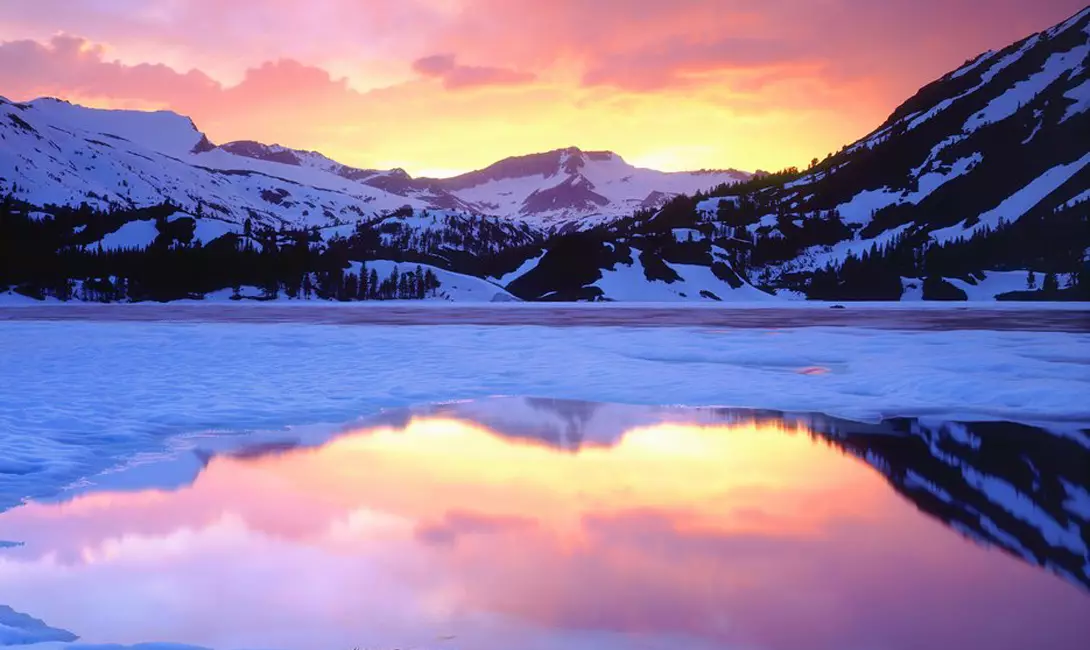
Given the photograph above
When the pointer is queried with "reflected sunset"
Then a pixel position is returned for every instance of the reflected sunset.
(394, 536)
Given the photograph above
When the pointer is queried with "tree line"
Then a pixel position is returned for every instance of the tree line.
(57, 252)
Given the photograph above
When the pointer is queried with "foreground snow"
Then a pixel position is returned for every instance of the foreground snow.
(86, 395)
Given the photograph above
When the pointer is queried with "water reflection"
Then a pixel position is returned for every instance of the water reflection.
(547, 524)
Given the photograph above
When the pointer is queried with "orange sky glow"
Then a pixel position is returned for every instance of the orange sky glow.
(439, 87)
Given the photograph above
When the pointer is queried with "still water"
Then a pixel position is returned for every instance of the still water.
(523, 523)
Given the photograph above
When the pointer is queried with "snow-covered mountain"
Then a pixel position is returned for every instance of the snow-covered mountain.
(575, 187)
(1019, 488)
(977, 181)
(53, 152)
(61, 153)
(980, 179)
(1001, 142)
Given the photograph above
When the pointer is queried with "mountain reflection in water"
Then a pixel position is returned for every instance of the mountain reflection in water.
(549, 524)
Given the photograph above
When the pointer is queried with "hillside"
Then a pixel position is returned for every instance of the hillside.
(974, 188)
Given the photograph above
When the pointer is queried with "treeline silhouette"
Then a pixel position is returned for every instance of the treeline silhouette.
(1054, 243)
(59, 254)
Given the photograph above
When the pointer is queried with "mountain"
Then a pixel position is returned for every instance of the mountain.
(1019, 488)
(994, 149)
(976, 187)
(64, 154)
(572, 186)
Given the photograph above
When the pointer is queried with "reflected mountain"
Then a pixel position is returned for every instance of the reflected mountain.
(18, 629)
(1020, 488)
(548, 524)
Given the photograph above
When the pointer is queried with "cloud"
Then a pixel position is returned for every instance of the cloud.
(746, 84)
(460, 523)
(72, 65)
(454, 76)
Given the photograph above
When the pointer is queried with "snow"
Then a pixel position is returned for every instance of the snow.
(624, 185)
(17, 629)
(995, 283)
(134, 234)
(455, 287)
(712, 205)
(820, 256)
(1080, 98)
(1069, 23)
(1078, 500)
(1020, 505)
(1018, 203)
(210, 229)
(859, 209)
(1077, 199)
(627, 282)
(862, 205)
(914, 481)
(985, 78)
(972, 65)
(66, 163)
(522, 270)
(912, 289)
(682, 235)
(272, 375)
(1024, 91)
(162, 131)
(70, 154)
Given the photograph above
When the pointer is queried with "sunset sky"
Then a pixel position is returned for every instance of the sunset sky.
(443, 86)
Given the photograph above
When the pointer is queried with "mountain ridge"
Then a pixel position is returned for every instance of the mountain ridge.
(975, 187)
(522, 179)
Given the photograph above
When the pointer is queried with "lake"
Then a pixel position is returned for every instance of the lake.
(541, 523)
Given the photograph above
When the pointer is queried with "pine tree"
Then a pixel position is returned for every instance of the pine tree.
(308, 288)
(362, 291)
(1051, 284)
(351, 288)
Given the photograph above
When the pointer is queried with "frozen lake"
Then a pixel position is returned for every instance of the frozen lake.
(1034, 317)
(182, 474)
(538, 523)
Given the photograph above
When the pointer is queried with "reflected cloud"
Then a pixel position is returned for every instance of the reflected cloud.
(553, 525)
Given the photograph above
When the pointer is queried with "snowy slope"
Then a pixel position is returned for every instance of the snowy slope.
(453, 287)
(629, 283)
(59, 153)
(990, 140)
(1001, 142)
(569, 185)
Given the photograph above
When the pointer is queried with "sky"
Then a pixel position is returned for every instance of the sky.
(439, 87)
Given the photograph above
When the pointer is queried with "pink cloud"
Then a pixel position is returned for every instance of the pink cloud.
(362, 80)
(68, 64)
(446, 67)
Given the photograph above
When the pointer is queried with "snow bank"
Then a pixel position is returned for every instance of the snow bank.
(1023, 92)
(523, 269)
(162, 131)
(1019, 203)
(133, 234)
(210, 229)
(455, 287)
(995, 283)
(627, 282)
